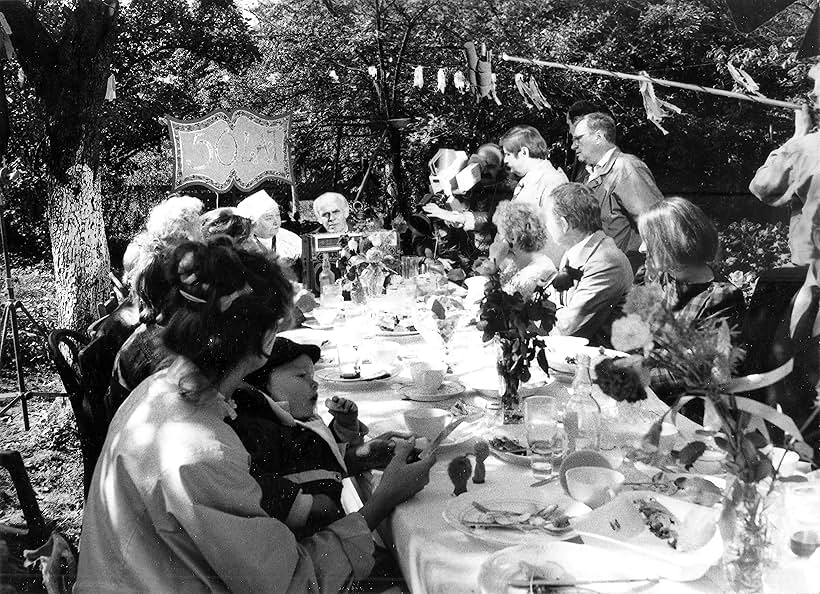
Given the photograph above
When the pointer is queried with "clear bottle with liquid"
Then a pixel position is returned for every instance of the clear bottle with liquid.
(326, 276)
(582, 415)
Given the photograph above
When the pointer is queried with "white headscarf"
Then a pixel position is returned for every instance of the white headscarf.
(255, 205)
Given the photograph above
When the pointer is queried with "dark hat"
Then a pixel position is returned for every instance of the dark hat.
(283, 351)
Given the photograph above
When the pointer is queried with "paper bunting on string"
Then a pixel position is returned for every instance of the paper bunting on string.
(4, 24)
(536, 95)
(5, 34)
(493, 79)
(372, 71)
(111, 88)
(743, 80)
(333, 76)
(523, 89)
(655, 108)
(459, 82)
(441, 82)
(418, 77)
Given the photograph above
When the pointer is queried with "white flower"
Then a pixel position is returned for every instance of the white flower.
(630, 333)
(372, 71)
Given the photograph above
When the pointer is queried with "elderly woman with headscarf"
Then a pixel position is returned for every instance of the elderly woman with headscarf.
(266, 226)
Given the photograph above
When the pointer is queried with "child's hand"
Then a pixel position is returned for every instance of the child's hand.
(344, 411)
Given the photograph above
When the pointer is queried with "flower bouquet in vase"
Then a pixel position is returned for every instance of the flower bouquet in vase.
(698, 358)
(517, 325)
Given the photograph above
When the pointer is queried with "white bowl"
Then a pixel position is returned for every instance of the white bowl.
(709, 462)
(593, 485)
(428, 375)
(426, 422)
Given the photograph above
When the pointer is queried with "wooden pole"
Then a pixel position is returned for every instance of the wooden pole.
(657, 81)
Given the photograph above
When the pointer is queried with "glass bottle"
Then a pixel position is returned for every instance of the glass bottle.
(582, 416)
(326, 276)
(493, 415)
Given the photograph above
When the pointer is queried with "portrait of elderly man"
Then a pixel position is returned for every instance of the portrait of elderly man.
(622, 183)
(594, 276)
(791, 177)
(523, 227)
(332, 210)
(266, 226)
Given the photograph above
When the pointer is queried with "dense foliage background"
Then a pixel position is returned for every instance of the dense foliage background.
(186, 60)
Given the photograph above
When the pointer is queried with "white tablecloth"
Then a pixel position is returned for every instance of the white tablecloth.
(434, 557)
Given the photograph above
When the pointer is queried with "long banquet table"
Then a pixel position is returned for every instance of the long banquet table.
(434, 557)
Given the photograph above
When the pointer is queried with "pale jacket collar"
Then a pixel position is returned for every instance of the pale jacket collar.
(533, 175)
(578, 254)
(601, 166)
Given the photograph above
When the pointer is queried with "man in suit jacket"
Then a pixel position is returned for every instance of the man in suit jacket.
(622, 183)
(595, 274)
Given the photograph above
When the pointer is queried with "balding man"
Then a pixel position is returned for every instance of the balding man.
(622, 183)
(332, 210)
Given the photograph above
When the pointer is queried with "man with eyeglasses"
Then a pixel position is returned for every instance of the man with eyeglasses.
(622, 183)
(332, 210)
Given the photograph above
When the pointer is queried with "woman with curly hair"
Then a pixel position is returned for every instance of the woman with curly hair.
(525, 267)
(172, 506)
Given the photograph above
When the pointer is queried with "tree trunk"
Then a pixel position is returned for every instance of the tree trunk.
(78, 246)
(402, 199)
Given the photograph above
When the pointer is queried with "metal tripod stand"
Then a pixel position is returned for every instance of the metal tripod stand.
(10, 308)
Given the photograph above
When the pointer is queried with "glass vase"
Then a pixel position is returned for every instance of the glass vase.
(508, 384)
(747, 544)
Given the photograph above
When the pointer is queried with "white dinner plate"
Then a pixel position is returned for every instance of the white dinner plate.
(461, 510)
(381, 332)
(315, 325)
(566, 562)
(367, 373)
(446, 390)
(517, 459)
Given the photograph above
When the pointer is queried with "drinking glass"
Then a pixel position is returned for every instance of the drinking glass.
(545, 437)
(331, 296)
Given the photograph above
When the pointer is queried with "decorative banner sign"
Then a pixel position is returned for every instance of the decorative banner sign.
(240, 149)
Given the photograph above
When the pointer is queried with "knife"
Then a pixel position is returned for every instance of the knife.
(434, 445)
(520, 583)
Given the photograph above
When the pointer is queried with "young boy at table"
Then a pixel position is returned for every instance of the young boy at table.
(295, 457)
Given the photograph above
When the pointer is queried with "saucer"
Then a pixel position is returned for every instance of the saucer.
(445, 390)
(367, 373)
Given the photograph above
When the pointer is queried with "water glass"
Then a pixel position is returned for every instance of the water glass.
(331, 296)
(545, 437)
(410, 266)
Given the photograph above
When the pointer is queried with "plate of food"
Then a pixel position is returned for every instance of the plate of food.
(563, 364)
(510, 450)
(395, 325)
(446, 390)
(687, 487)
(367, 373)
(670, 533)
(313, 324)
(507, 522)
(551, 565)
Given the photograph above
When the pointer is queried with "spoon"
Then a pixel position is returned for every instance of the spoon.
(804, 543)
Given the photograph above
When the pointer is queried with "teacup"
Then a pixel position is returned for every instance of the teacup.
(593, 485)
(427, 375)
(668, 438)
(426, 422)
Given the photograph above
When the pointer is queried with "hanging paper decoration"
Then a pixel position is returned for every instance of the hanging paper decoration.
(537, 96)
(372, 71)
(743, 80)
(523, 89)
(333, 76)
(21, 76)
(441, 83)
(5, 34)
(479, 71)
(111, 88)
(493, 79)
(655, 108)
(418, 77)
(459, 82)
